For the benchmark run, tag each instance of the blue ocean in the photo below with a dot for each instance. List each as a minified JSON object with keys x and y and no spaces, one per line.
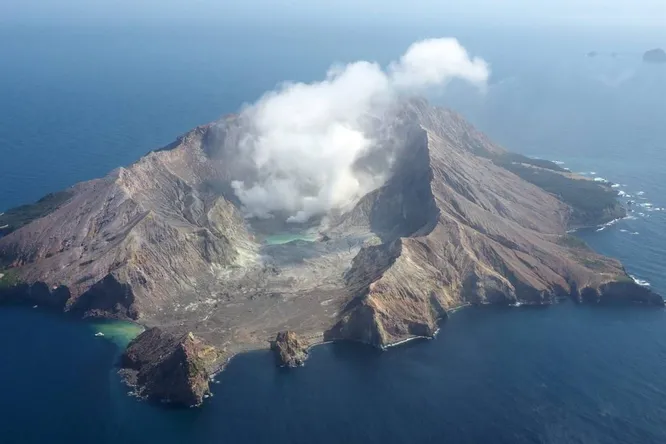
{"x":78,"y":102}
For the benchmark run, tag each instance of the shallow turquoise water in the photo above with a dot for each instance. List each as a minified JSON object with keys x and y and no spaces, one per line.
{"x":118,"y":332}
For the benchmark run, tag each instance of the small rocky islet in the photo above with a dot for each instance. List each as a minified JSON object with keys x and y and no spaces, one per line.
{"x":163,"y":243}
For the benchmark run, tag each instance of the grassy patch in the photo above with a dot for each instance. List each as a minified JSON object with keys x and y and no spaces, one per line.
{"x":20,"y":216}
{"x":593,"y":263}
{"x":573,"y":242}
{"x":625,"y":279}
{"x":508,"y":159}
{"x":593,"y":203}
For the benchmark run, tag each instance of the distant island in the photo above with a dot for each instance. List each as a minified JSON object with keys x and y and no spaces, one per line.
{"x":657,"y":55}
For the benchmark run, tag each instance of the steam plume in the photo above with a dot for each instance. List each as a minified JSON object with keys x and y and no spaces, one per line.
{"x":305,"y":138}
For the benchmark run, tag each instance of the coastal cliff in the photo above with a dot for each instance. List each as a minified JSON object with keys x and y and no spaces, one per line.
{"x":168,"y":368}
{"x":164,"y":242}
{"x":290,"y":350}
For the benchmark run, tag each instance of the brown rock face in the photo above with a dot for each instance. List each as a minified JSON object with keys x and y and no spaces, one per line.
{"x":167,"y":367}
{"x":290,"y":350}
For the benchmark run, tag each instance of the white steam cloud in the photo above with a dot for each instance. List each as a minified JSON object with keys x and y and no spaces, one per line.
{"x":306,"y":138}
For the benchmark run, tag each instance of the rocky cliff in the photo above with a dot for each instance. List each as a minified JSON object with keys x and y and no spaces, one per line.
{"x":163,"y":242}
{"x":168,"y":368}
{"x":290,"y":349}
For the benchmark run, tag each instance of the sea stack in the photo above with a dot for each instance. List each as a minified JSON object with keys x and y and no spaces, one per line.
{"x":290,"y":350}
{"x":169,"y":368}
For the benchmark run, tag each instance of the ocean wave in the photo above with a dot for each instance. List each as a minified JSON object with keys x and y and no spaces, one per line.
{"x":613,"y":222}
{"x":616,"y":185}
{"x":640,"y":282}
{"x":622,"y":230}
{"x":558,"y":162}
{"x":622,"y":193}
{"x":640,"y":193}
{"x":600,"y":179}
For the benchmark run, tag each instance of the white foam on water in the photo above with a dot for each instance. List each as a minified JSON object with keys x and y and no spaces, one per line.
{"x":616,"y":185}
{"x":566,"y":169}
{"x":622,"y":230}
{"x":558,"y":162}
{"x":593,"y":173}
{"x":640,"y":193}
{"x":641,"y":282}
{"x":635,"y":233}
{"x":404,"y":341}
{"x":600,"y":179}
{"x":621,"y":193}
{"x":613,"y":222}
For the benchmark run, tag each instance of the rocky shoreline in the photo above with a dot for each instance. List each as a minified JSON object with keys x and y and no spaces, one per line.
{"x":177,"y":369}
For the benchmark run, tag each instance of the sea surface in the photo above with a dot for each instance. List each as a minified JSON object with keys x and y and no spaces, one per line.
{"x":79,"y":102}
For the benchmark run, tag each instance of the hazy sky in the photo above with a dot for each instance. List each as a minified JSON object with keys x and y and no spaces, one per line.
{"x":578,"y":12}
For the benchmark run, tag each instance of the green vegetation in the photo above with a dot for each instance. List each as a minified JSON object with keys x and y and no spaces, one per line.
{"x":593,"y":263}
{"x":593,"y":203}
{"x":573,"y":242}
{"x":9,"y":279}
{"x":507,"y":159}
{"x":17,"y":217}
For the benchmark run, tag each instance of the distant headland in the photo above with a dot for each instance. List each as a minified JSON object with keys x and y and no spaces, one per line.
{"x":657,"y":55}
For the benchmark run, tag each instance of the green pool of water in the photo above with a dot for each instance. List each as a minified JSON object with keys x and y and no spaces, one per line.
{"x":283,"y":238}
